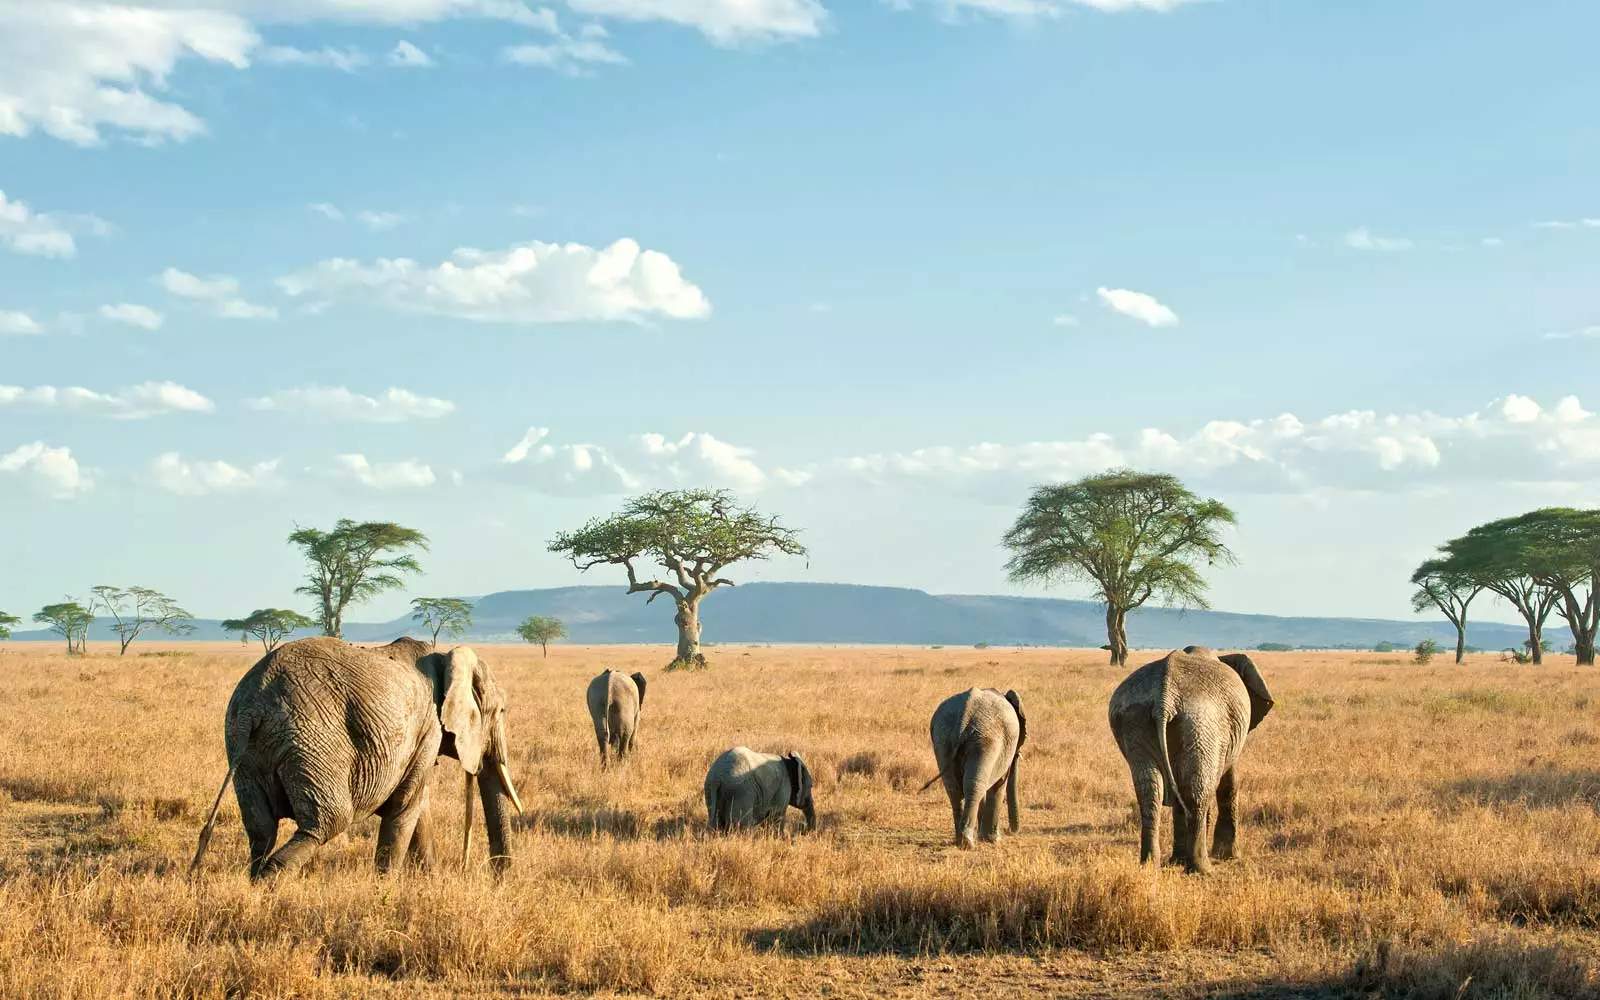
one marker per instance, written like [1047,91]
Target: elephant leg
[1147,788]
[1227,829]
[971,802]
[603,737]
[989,815]
[420,851]
[289,858]
[255,813]
[1198,859]
[1180,835]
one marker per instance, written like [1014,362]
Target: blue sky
[484,267]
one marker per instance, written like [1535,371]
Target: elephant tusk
[466,837]
[511,790]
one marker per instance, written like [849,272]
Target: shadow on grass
[1532,788]
[592,824]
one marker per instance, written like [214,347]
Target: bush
[980,645]
[1426,650]
[1274,647]
[1384,647]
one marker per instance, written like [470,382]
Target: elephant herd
[325,733]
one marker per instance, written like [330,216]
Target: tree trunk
[688,621]
[1117,634]
[545,648]
[1585,649]
[1461,643]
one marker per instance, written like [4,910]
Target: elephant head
[1013,809]
[1260,698]
[472,713]
[800,789]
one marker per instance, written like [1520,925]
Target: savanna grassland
[1424,831]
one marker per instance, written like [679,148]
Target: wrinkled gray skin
[614,703]
[1181,724]
[745,789]
[326,733]
[977,739]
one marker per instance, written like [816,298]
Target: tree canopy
[270,625]
[1132,535]
[449,615]
[542,630]
[354,563]
[136,610]
[6,621]
[1446,587]
[693,535]
[70,620]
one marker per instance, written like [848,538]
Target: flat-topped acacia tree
[694,535]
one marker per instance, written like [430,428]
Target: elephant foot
[1197,868]
[965,843]
[1222,852]
[1174,861]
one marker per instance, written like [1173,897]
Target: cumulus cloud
[954,9]
[133,315]
[641,461]
[409,56]
[343,60]
[572,56]
[1513,439]
[527,284]
[52,471]
[147,399]
[18,323]
[725,22]
[338,403]
[219,293]
[1137,305]
[1363,239]
[402,475]
[174,473]
[40,234]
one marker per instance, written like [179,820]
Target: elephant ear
[1260,698]
[638,680]
[1022,720]
[459,712]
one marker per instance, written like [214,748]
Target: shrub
[1426,650]
[1274,647]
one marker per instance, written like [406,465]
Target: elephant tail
[211,821]
[1162,717]
[931,781]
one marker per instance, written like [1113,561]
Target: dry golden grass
[1414,831]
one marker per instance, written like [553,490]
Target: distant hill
[844,613]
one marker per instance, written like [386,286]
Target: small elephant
[326,733]
[615,699]
[977,740]
[1181,724]
[745,789]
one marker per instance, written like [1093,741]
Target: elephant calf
[746,789]
[1181,724]
[615,699]
[977,738]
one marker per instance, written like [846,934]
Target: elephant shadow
[593,824]
[1533,787]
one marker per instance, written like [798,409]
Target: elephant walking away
[615,699]
[326,733]
[1181,724]
[977,740]
[746,789]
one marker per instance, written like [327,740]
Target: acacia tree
[542,630]
[70,620]
[449,615]
[1559,549]
[1502,555]
[136,610]
[1132,535]
[6,621]
[1450,590]
[270,625]
[354,563]
[694,535]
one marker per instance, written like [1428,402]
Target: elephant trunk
[496,817]
[809,811]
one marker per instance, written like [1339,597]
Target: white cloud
[1585,333]
[725,22]
[408,55]
[1492,241]
[1137,305]
[146,399]
[379,221]
[343,60]
[1513,439]
[566,55]
[527,284]
[954,9]
[51,470]
[1362,239]
[327,211]
[37,233]
[176,474]
[19,323]
[402,475]
[1568,224]
[1064,319]
[339,403]
[641,461]
[133,315]
[219,292]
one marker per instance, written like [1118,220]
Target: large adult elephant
[614,700]
[977,739]
[1181,724]
[744,789]
[326,733]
